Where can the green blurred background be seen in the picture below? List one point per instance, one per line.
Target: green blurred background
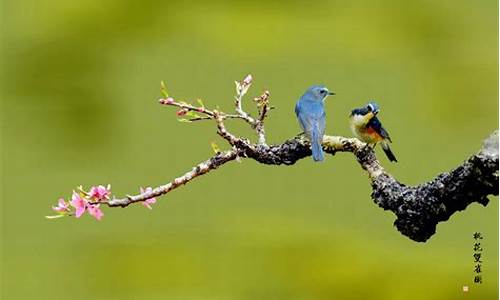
(80, 83)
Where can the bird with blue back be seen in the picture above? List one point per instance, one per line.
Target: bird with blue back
(368, 128)
(310, 111)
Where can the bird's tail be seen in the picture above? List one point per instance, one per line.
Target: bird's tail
(317, 150)
(388, 152)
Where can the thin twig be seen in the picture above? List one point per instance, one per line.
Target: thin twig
(200, 169)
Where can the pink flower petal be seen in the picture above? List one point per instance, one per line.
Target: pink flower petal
(62, 203)
(79, 211)
(248, 79)
(62, 206)
(147, 203)
(100, 192)
(78, 203)
(181, 112)
(95, 211)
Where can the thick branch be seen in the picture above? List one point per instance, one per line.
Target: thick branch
(418, 209)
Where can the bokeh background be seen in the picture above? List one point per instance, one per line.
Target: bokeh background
(80, 83)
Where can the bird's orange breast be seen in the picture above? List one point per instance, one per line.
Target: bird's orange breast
(373, 134)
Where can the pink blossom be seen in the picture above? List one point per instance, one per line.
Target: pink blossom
(147, 203)
(169, 100)
(100, 192)
(95, 211)
(78, 203)
(62, 206)
(243, 86)
(181, 112)
(248, 80)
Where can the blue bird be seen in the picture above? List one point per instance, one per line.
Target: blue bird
(311, 114)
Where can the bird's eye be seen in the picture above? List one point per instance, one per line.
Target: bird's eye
(322, 91)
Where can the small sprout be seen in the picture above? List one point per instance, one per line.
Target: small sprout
(200, 102)
(238, 87)
(55, 217)
(243, 86)
(192, 114)
(262, 99)
(215, 147)
(248, 79)
(163, 89)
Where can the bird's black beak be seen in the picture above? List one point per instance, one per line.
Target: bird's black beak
(331, 93)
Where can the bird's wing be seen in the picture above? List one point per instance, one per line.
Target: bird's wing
(309, 113)
(377, 126)
(303, 121)
(322, 123)
(297, 108)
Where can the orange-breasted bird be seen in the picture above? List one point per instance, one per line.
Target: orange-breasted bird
(367, 127)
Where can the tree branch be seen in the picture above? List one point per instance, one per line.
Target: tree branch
(200, 169)
(418, 209)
